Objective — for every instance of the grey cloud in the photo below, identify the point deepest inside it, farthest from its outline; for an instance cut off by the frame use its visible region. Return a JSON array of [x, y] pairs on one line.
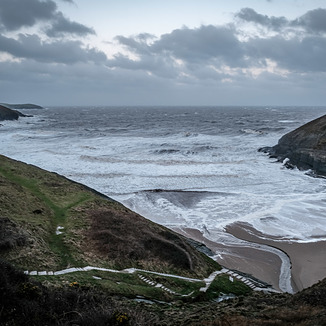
[[67, 52], [198, 64], [204, 51], [250, 15], [312, 21], [134, 44], [207, 45], [15, 14], [204, 43], [74, 85], [62, 25], [159, 65], [296, 55]]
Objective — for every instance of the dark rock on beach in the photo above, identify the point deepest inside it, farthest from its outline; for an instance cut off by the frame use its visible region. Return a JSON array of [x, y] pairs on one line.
[[304, 147], [9, 114]]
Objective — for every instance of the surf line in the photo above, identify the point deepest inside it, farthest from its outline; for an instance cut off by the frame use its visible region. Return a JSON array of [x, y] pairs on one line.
[[285, 278]]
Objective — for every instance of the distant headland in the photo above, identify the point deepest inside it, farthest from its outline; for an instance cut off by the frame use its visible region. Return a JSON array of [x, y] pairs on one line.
[[10, 111], [25, 106]]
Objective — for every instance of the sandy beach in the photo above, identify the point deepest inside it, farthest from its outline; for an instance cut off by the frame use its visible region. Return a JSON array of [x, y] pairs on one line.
[[307, 259], [261, 264]]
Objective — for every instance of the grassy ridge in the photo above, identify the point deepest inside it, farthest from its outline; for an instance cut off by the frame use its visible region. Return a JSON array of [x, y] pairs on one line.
[[96, 230]]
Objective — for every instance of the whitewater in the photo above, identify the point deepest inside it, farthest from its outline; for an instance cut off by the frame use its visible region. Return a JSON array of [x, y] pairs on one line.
[[194, 167]]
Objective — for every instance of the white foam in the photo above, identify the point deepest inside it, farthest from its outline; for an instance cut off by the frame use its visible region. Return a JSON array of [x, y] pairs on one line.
[[248, 186]]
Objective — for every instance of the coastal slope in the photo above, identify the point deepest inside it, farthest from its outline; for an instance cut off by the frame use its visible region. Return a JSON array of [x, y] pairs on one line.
[[304, 147], [48, 222]]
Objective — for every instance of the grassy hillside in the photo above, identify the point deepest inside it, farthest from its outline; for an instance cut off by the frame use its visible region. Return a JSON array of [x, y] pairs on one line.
[[96, 230]]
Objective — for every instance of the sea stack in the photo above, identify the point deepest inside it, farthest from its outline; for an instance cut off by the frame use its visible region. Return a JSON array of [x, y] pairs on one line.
[[304, 147]]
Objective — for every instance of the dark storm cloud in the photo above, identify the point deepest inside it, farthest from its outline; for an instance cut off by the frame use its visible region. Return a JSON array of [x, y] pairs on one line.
[[32, 47], [62, 26], [297, 55], [250, 15], [200, 44], [204, 52], [313, 21], [183, 49], [187, 63], [15, 14]]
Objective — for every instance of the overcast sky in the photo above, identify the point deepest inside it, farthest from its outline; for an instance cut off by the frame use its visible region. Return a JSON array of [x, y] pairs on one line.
[[171, 52]]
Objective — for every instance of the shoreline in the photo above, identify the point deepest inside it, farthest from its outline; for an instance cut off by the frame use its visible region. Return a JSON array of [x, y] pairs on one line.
[[307, 260], [263, 265]]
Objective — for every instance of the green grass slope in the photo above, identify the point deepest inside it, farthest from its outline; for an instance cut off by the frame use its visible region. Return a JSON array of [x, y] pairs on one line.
[[96, 230]]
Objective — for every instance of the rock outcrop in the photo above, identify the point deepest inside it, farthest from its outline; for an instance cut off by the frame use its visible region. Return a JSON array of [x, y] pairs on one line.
[[9, 114], [304, 147]]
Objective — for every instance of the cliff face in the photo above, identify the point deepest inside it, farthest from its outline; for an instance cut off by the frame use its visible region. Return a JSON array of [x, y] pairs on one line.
[[8, 114], [305, 147]]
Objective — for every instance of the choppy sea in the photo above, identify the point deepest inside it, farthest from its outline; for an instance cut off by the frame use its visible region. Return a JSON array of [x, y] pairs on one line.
[[194, 167]]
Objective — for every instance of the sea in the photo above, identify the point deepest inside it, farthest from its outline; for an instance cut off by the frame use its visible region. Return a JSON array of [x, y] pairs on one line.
[[191, 166]]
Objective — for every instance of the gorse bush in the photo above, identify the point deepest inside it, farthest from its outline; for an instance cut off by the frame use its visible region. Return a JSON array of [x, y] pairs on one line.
[[120, 318]]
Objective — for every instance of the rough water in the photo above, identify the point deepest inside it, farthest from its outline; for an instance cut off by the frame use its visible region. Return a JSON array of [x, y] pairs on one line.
[[195, 167]]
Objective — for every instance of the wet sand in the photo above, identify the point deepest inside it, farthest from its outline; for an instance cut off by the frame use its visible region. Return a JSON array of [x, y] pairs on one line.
[[261, 264], [308, 259]]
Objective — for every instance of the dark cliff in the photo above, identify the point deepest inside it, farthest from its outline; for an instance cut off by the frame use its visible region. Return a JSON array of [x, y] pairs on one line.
[[9, 114], [305, 147]]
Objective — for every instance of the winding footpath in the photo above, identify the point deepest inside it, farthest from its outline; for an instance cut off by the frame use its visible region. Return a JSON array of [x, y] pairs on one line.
[[208, 281]]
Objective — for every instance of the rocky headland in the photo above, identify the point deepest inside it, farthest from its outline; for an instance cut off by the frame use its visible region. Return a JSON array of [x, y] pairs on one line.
[[10, 111], [25, 106], [9, 114], [304, 147]]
